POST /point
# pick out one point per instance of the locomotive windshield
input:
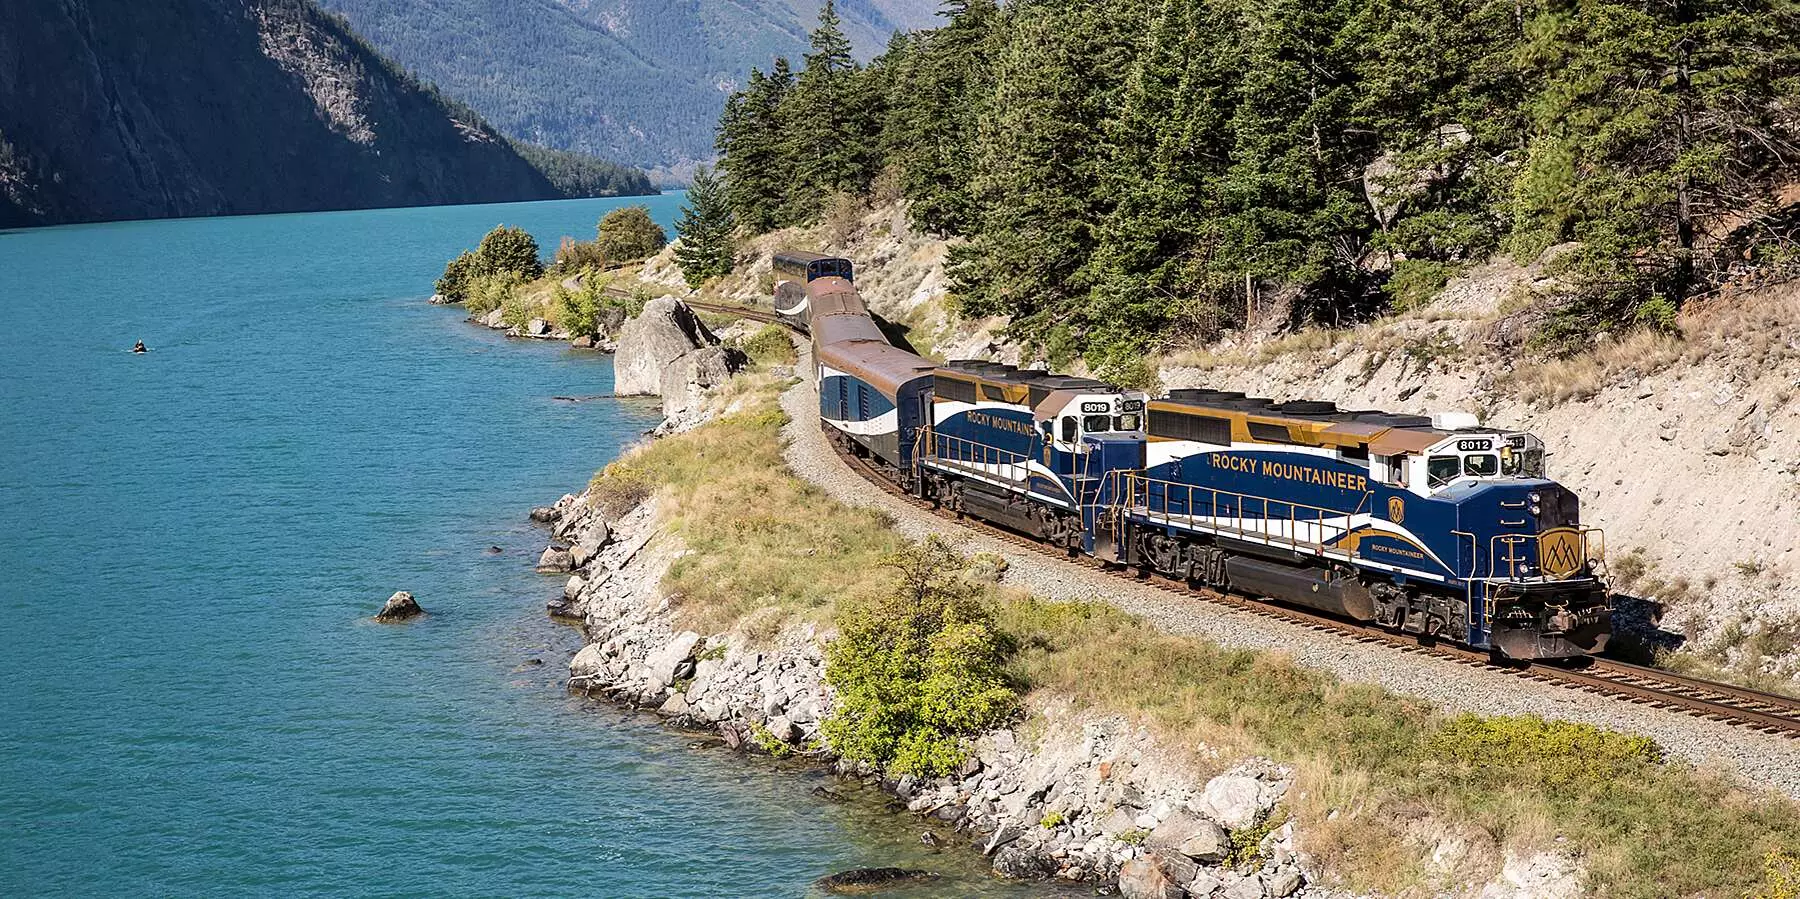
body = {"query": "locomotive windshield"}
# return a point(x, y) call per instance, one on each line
point(1481, 465)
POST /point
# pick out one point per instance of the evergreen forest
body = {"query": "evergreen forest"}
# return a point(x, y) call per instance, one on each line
point(1123, 174)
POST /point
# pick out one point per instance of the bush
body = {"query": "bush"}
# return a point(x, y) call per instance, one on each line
point(510, 250)
point(1561, 757)
point(489, 292)
point(453, 284)
point(629, 234)
point(919, 669)
point(1415, 281)
point(587, 310)
point(769, 346)
point(575, 255)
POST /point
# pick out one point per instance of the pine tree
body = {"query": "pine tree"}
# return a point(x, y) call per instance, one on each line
point(758, 171)
point(828, 123)
point(705, 229)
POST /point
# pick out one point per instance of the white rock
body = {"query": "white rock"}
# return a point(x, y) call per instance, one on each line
point(1544, 875)
point(574, 586)
point(588, 663)
point(664, 662)
point(1234, 800)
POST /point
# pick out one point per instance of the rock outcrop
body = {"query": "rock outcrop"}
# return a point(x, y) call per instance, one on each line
point(399, 607)
point(667, 351)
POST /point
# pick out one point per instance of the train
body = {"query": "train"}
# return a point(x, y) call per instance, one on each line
point(1434, 525)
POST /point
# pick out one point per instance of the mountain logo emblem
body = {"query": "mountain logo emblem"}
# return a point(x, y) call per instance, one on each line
point(1396, 509)
point(1559, 552)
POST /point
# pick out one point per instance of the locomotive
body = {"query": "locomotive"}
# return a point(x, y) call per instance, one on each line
point(1429, 525)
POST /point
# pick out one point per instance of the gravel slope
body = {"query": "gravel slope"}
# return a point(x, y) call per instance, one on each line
point(1763, 759)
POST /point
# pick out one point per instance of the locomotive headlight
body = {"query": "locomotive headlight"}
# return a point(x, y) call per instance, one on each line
point(1535, 499)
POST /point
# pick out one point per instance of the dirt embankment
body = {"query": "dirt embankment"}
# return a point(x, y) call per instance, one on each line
point(1684, 448)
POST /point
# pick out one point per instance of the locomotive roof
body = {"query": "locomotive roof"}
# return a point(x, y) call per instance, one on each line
point(839, 328)
point(832, 295)
point(1310, 421)
point(885, 367)
point(1001, 373)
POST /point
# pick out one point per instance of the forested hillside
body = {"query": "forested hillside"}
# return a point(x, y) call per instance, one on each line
point(111, 109)
point(1128, 173)
point(638, 80)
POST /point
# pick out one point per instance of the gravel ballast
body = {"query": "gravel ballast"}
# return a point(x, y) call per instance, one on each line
point(1761, 759)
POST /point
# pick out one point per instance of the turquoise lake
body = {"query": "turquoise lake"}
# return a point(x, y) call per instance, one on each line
point(194, 700)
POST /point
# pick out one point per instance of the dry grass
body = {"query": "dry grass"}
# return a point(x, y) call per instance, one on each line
point(758, 537)
point(1632, 356)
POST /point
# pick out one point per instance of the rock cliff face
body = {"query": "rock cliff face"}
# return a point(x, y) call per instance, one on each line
point(115, 109)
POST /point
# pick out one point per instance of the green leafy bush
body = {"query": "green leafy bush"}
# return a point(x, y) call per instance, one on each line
point(1559, 756)
point(919, 669)
point(769, 346)
point(453, 284)
point(1415, 281)
point(575, 255)
point(628, 234)
point(513, 250)
point(489, 292)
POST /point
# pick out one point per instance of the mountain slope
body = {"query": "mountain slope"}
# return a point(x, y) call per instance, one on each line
point(115, 109)
point(641, 81)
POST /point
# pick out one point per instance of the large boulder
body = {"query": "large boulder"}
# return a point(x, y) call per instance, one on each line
point(665, 331)
point(1192, 836)
point(399, 607)
point(685, 381)
point(666, 664)
point(1144, 878)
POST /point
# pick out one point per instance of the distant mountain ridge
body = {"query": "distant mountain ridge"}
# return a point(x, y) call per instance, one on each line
point(118, 109)
point(640, 81)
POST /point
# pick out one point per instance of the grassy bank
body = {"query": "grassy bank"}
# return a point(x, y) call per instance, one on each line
point(1381, 777)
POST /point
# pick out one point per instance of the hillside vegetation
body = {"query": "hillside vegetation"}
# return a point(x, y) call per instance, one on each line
point(1125, 175)
point(637, 80)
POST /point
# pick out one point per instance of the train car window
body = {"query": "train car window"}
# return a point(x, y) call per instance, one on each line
point(1269, 433)
point(1069, 432)
point(1127, 422)
point(1481, 465)
point(1441, 470)
point(1096, 423)
point(1533, 466)
point(953, 389)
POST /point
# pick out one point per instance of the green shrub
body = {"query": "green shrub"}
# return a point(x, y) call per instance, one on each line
point(1415, 281)
point(510, 250)
point(453, 284)
point(489, 292)
point(628, 234)
point(518, 309)
point(1560, 757)
point(769, 346)
point(918, 669)
point(575, 255)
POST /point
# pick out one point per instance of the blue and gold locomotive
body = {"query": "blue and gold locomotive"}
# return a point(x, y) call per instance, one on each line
point(1428, 525)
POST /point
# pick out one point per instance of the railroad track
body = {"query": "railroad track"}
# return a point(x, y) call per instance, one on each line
point(1740, 706)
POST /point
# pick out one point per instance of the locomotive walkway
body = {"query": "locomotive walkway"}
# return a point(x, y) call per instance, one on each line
point(1762, 758)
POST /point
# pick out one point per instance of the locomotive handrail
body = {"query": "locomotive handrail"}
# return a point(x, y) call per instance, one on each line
point(989, 455)
point(1237, 500)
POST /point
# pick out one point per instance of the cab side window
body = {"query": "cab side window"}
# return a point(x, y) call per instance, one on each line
point(1442, 470)
point(1069, 431)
